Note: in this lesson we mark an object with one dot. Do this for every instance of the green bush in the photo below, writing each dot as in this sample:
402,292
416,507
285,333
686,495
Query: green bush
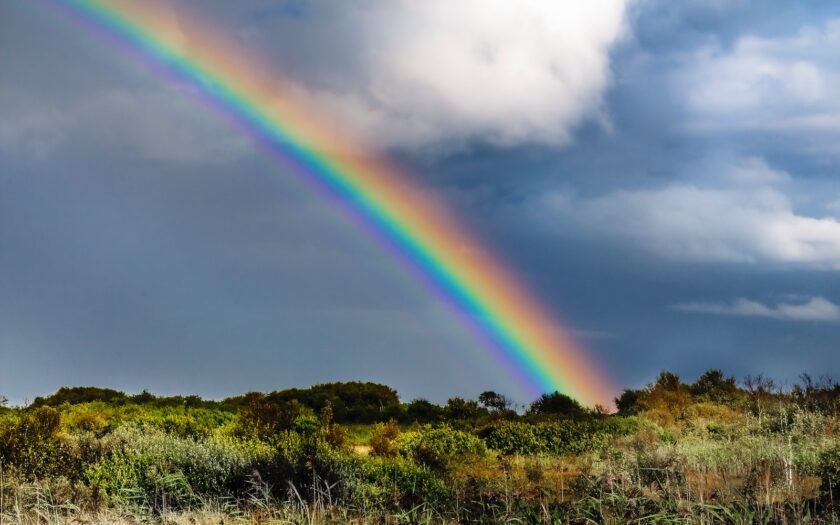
146,465
440,447
392,484
510,437
562,437
264,419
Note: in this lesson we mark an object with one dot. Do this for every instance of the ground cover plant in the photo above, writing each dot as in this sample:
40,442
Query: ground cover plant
711,451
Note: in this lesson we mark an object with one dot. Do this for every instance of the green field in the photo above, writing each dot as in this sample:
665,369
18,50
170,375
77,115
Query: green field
711,451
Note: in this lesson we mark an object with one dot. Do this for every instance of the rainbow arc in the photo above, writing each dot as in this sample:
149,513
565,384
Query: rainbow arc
410,222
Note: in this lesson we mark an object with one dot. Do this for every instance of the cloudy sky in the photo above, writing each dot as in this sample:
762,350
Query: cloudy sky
663,175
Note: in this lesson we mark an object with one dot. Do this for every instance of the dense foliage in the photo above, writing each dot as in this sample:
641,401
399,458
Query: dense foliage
714,450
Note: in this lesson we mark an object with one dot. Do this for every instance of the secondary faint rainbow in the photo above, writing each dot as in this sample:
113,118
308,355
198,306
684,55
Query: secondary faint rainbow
408,220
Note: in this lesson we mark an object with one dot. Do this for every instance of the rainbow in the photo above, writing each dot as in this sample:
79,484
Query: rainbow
409,221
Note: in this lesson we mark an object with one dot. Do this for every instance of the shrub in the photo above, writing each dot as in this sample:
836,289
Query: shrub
440,447
513,438
383,439
147,464
830,473
265,419
560,437
332,433
87,421
31,444
395,484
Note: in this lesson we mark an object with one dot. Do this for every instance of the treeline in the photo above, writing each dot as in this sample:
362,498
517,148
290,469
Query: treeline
366,402
668,395
350,402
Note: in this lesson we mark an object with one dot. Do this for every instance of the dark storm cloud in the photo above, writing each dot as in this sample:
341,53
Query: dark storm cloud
145,244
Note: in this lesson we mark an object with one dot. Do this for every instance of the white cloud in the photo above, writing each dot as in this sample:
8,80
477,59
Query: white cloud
784,85
740,213
432,72
814,309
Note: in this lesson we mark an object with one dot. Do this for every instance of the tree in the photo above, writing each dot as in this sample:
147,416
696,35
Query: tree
557,404
668,394
144,397
628,403
81,394
493,401
668,381
761,390
714,386
422,411
264,419
822,394
460,409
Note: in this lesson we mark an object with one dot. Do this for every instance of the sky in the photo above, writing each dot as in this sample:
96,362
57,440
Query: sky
662,175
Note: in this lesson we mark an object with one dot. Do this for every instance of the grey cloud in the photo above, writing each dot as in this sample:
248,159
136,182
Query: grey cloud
814,309
162,124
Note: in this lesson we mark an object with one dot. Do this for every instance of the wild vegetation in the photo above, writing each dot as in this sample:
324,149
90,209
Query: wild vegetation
711,451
